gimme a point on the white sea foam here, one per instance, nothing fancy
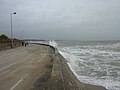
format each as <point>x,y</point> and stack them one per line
<point>95,64</point>
<point>53,43</point>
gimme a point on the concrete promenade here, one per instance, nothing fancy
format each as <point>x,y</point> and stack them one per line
<point>37,67</point>
<point>21,67</point>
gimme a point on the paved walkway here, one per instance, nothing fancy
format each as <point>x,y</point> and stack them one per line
<point>21,67</point>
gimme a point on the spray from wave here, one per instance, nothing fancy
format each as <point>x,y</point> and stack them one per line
<point>53,43</point>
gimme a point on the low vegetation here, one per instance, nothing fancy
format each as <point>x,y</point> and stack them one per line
<point>5,42</point>
<point>3,37</point>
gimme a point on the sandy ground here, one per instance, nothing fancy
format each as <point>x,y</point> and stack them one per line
<point>22,68</point>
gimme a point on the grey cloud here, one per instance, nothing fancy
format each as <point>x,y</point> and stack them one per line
<point>62,19</point>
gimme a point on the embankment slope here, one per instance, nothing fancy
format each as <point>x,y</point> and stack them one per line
<point>62,78</point>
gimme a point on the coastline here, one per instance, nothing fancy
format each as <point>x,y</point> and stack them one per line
<point>62,77</point>
<point>46,69</point>
<point>73,78</point>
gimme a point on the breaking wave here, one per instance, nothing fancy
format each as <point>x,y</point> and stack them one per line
<point>94,63</point>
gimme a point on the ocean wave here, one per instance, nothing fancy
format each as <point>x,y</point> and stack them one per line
<point>96,64</point>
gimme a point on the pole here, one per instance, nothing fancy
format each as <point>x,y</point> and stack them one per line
<point>22,34</point>
<point>11,29</point>
<point>11,32</point>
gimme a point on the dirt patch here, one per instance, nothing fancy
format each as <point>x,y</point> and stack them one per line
<point>41,82</point>
<point>48,66</point>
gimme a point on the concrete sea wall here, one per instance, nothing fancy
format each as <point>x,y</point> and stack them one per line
<point>62,78</point>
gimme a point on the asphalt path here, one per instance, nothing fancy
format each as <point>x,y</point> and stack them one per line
<point>20,67</point>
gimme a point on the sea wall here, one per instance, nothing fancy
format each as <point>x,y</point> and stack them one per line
<point>62,78</point>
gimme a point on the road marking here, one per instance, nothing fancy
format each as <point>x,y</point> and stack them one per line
<point>16,84</point>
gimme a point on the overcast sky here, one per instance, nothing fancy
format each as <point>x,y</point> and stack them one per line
<point>62,19</point>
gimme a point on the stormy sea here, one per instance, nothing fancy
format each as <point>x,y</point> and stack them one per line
<point>93,62</point>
